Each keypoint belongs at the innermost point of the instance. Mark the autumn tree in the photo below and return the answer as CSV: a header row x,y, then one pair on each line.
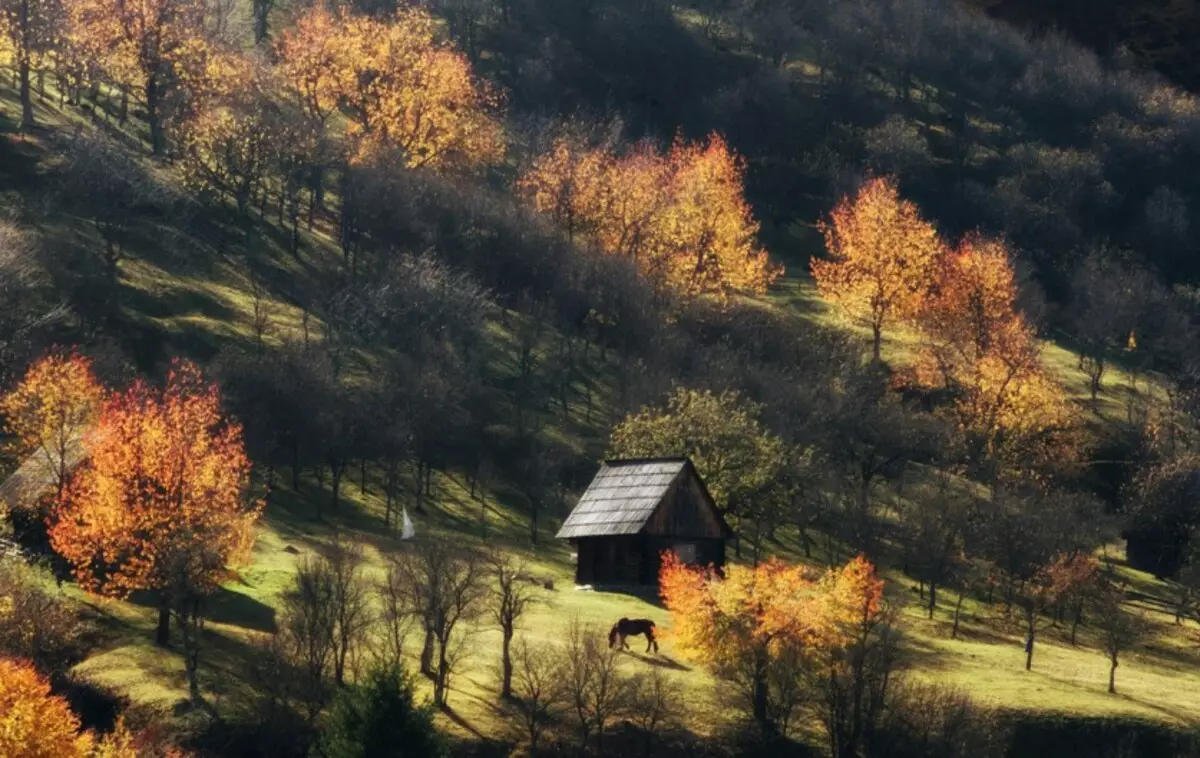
x,y
401,87
30,29
978,345
48,413
764,628
229,145
1076,579
741,462
161,503
882,261
34,723
155,47
681,216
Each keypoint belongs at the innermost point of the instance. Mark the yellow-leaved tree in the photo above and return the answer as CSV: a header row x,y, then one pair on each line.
x,y
399,85
48,412
883,258
29,32
766,629
980,346
33,722
155,48
681,216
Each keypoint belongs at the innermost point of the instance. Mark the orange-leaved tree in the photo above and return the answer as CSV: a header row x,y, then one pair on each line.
x,y
33,722
48,412
764,629
161,503
681,216
399,85
883,258
980,346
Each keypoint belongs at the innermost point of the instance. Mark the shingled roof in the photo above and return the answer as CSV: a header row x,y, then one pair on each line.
x,y
34,478
622,497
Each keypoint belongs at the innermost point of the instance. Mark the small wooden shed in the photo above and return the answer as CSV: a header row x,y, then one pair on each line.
x,y
635,509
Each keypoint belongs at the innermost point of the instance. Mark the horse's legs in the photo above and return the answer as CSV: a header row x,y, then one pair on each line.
x,y
624,644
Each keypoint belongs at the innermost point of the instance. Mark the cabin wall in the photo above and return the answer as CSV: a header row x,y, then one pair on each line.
x,y
610,560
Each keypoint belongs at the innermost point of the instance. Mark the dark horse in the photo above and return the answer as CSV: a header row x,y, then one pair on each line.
x,y
627,627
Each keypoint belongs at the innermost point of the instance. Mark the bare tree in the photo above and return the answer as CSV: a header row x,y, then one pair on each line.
x,y
308,627
596,691
655,705
105,184
444,586
933,525
539,691
1108,303
351,599
512,593
1119,629
397,615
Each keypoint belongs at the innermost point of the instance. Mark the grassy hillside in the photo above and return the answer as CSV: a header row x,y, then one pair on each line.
x,y
200,280
195,296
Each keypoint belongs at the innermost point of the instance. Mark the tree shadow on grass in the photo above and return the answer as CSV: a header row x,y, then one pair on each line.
x,y
226,606
236,609
659,660
462,723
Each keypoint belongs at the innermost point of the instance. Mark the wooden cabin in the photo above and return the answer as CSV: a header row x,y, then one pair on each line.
x,y
635,509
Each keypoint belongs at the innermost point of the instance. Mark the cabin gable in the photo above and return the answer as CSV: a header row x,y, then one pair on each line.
x,y
686,511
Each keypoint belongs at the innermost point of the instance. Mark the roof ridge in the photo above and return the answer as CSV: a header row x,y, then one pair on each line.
x,y
660,459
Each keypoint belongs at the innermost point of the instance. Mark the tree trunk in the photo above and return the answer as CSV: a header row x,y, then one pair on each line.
x,y
876,342
152,115
162,635
761,715
534,507
506,664
1112,675
262,12
442,679
1029,640
957,612
335,471
1076,620
22,54
27,122
932,597
427,653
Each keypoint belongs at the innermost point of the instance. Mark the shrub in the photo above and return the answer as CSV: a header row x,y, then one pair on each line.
x,y
379,718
